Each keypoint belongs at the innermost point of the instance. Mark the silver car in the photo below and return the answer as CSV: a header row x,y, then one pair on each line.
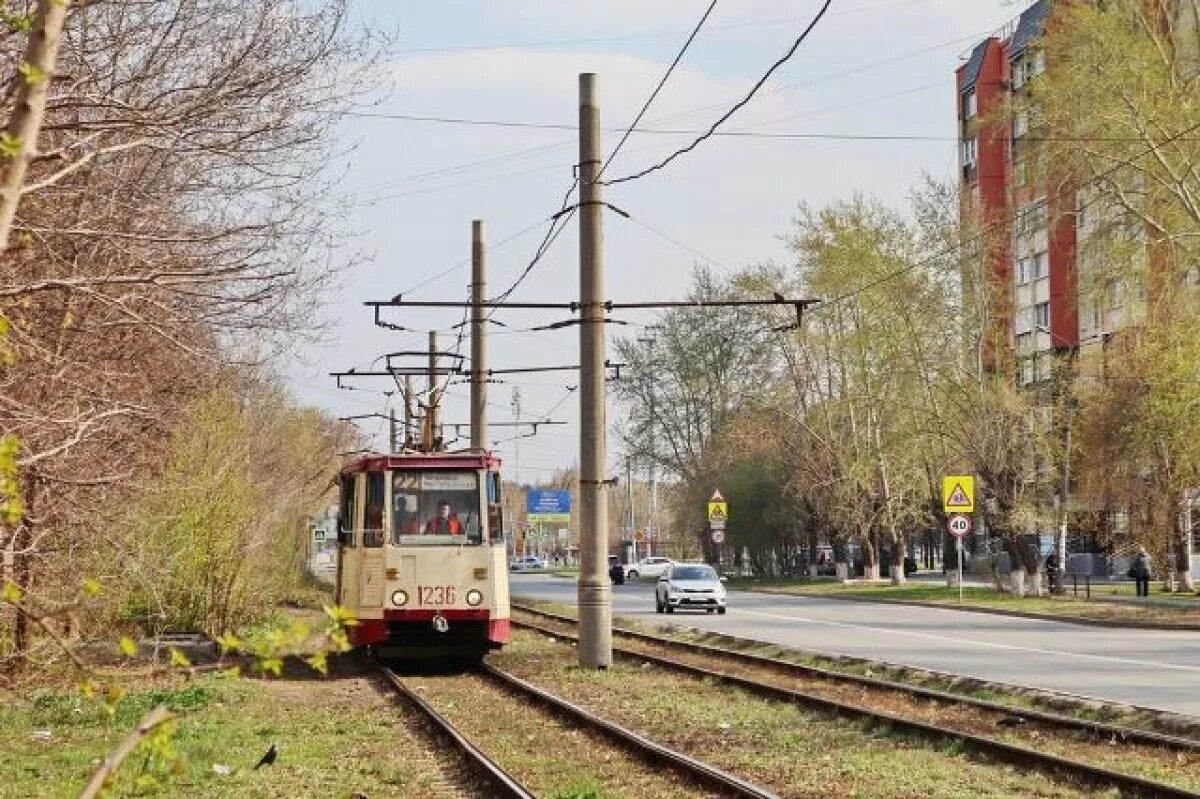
x,y
689,586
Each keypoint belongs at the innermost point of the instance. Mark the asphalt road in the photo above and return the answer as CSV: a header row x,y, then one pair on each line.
x,y
1151,668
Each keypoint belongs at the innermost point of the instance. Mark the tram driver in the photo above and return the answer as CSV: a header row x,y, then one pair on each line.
x,y
445,522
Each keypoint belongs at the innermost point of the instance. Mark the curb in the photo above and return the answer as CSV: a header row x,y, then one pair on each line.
x,y
1019,614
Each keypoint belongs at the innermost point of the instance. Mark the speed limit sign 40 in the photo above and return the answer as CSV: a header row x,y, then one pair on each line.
x,y
959,525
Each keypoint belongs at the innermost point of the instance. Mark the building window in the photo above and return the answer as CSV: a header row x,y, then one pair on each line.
x,y
1041,265
1024,343
1024,270
970,104
1041,316
970,151
1020,124
1032,218
1020,172
1026,371
1032,64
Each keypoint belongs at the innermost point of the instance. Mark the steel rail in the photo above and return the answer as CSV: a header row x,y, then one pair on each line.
x,y
1099,729
497,778
697,770
1097,776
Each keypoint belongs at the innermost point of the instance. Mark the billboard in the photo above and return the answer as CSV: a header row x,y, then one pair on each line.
x,y
548,505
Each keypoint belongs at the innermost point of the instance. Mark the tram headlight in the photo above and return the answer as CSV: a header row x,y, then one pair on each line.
x,y
474,597
399,598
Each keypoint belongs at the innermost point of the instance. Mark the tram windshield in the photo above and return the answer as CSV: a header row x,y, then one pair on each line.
x,y
435,508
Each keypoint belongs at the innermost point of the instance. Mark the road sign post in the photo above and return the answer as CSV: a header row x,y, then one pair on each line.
x,y
959,526
718,514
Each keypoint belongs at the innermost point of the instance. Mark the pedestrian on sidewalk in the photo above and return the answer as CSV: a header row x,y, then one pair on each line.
x,y
1053,575
1140,572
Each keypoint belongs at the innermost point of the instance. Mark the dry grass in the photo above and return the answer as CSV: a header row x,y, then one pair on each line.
x,y
546,755
1178,768
794,752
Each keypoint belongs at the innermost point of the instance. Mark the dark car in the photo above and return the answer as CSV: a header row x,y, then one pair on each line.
x,y
616,571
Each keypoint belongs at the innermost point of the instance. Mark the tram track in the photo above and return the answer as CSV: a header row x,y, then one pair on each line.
x,y
907,723
696,773
482,766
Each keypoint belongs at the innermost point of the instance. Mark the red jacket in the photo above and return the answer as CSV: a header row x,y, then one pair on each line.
x,y
448,526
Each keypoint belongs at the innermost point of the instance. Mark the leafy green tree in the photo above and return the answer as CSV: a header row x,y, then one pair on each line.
x,y
1116,118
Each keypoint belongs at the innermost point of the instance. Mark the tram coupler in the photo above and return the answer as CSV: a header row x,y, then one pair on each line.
x,y
440,623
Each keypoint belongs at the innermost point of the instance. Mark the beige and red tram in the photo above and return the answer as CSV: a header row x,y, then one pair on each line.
x,y
422,561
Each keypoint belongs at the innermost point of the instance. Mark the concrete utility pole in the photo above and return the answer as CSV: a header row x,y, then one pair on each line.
x,y
408,411
516,406
653,533
632,522
595,590
479,440
431,412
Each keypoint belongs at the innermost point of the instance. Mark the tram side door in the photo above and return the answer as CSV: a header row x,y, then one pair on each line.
x,y
371,558
349,525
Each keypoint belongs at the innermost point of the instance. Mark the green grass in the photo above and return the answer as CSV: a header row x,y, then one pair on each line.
x,y
334,737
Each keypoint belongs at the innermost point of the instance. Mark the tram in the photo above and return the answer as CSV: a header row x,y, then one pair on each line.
x,y
421,558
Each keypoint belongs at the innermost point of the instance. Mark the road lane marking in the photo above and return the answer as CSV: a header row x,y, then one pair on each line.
x,y
989,644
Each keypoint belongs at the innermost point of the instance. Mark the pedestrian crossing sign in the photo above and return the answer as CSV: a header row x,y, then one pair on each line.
x,y
718,508
958,494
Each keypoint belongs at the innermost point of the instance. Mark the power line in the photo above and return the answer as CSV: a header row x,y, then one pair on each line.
x,y
593,39
467,261
380,188
735,108
548,240
1181,136
749,133
662,82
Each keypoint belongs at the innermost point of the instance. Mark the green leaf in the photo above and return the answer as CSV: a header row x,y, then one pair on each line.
x,y
179,660
91,587
11,593
10,145
128,647
32,73
319,662
271,666
229,642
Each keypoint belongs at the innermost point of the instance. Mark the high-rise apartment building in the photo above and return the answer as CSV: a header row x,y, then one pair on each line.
x,y
1027,236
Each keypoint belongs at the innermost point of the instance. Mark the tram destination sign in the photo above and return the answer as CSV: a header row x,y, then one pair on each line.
x,y
548,505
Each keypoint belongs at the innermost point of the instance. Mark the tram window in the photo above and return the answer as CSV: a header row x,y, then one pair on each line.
x,y
435,508
346,511
495,514
376,487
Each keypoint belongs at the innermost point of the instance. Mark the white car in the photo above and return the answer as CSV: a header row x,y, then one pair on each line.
x,y
647,567
689,586
527,563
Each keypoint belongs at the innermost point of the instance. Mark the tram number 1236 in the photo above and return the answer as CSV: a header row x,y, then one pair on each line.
x,y
435,594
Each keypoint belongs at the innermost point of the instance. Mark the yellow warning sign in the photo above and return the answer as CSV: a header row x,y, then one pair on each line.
x,y
718,511
958,494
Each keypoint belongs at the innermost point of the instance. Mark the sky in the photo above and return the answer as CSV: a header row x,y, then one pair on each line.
x,y
870,67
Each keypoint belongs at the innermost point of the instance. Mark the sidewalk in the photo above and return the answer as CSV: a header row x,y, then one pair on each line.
x,y
1169,612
